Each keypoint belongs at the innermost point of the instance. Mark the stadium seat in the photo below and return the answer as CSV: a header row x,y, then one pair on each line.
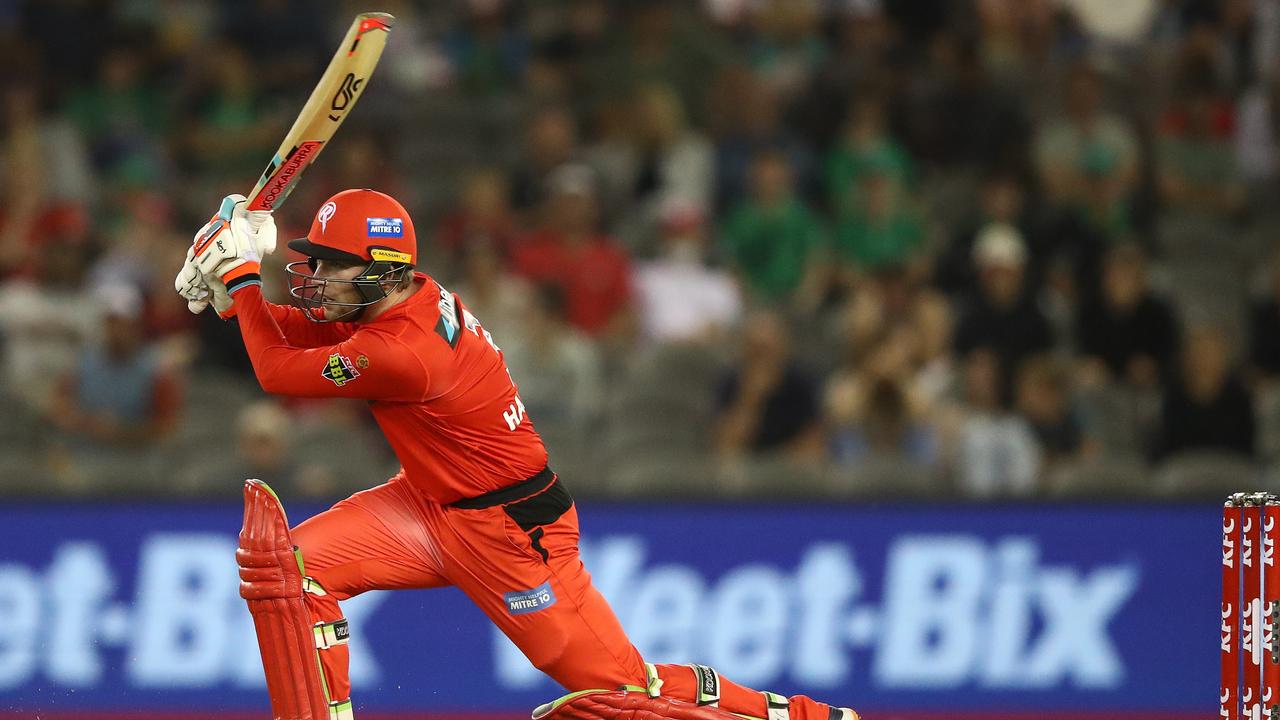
x,y
1106,479
883,477
1205,475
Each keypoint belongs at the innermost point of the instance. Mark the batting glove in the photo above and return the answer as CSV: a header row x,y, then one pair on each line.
x,y
226,251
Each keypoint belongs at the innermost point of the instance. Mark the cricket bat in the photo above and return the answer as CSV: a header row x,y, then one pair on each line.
x,y
330,103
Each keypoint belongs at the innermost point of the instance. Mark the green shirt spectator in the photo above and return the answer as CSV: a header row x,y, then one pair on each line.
x,y
770,236
873,242
849,163
864,148
771,244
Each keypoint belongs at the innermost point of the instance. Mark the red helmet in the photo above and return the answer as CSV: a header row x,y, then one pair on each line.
x,y
355,224
362,227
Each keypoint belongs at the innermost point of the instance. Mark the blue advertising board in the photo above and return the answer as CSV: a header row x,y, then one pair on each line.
x,y
1094,611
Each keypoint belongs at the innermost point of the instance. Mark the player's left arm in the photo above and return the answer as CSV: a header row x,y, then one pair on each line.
x,y
369,365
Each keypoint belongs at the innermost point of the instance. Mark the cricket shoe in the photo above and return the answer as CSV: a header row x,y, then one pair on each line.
x,y
839,713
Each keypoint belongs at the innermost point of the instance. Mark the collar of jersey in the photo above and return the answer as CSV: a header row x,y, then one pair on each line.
x,y
416,297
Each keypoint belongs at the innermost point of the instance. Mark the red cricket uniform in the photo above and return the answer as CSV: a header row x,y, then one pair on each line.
x,y
474,504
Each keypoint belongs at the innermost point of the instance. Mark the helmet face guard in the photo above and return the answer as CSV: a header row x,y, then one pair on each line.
x,y
310,293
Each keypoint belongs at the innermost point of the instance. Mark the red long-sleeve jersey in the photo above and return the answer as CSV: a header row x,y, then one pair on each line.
x,y
435,380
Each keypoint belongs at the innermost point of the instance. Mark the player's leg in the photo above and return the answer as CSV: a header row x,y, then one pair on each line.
x,y
368,541
520,565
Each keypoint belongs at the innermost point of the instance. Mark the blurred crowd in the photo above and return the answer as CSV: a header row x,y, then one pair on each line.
x,y
823,248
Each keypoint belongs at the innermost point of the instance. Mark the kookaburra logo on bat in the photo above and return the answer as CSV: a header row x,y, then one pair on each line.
x,y
347,90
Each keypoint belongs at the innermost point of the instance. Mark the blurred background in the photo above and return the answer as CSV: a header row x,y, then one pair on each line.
x,y
891,261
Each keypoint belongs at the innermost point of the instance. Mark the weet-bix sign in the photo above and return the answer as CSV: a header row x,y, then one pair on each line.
x,y
979,610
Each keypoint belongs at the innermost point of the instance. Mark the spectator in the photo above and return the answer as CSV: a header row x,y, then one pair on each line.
x,y
1206,406
483,215
495,296
364,159
679,298
47,315
997,453
118,396
289,36
954,116
1264,328
881,227
865,148
263,450
1195,166
768,404
771,238
551,140
122,116
674,160
1087,147
1044,398
556,367
862,38
893,327
660,41
747,124
576,45
490,52
1126,333
45,154
787,48
571,252
1003,200
647,155
1003,316
877,421
1257,132
227,127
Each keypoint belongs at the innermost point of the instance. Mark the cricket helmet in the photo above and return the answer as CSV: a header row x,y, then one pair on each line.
x,y
362,227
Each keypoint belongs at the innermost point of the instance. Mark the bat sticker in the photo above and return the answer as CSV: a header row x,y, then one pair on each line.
x,y
350,86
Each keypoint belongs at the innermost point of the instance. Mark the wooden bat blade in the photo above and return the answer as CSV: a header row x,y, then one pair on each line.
x,y
331,101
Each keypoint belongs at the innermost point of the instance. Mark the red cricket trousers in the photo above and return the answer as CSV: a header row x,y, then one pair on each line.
x,y
510,560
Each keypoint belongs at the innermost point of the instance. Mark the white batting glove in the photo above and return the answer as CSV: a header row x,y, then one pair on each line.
x,y
250,235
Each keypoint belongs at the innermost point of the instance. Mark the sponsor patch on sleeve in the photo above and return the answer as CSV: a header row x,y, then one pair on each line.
x,y
385,227
523,602
339,370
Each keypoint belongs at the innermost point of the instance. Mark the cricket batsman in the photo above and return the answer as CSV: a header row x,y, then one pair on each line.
x,y
473,505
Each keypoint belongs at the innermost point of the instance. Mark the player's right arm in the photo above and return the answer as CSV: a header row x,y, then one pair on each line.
x,y
297,329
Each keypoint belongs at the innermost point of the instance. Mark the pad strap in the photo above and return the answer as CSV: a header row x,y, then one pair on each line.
x,y
309,585
331,633
341,711
653,683
708,685
779,706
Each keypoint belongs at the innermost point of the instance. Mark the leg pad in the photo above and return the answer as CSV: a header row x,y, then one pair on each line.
x,y
271,580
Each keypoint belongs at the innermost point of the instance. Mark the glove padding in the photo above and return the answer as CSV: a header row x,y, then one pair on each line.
x,y
234,239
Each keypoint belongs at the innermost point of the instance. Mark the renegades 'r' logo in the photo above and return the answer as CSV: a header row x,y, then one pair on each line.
x,y
326,214
340,370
